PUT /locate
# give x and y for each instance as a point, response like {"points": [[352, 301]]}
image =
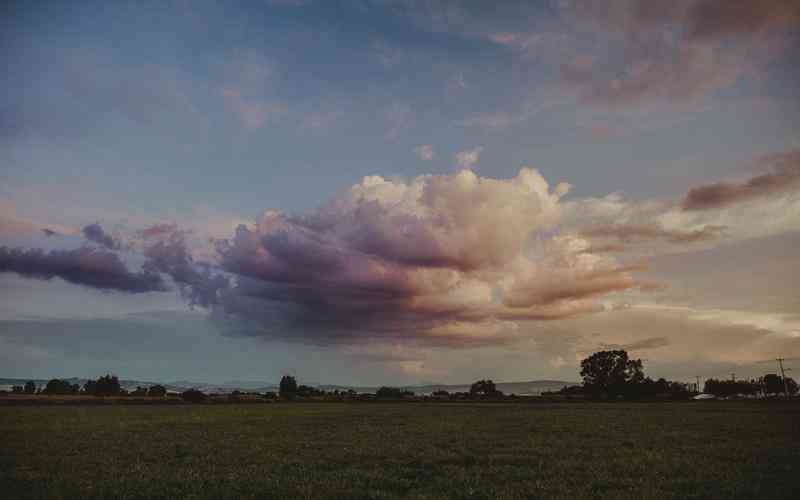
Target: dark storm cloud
{"points": [[199, 285], [785, 177], [95, 233], [440, 260], [84, 266]]}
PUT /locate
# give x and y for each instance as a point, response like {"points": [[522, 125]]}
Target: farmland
{"points": [[402, 450]]}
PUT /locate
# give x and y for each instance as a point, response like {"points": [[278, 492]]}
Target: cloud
{"points": [[785, 176], [425, 152], [95, 233], [13, 224], [638, 232], [690, 340], [719, 18], [468, 158], [156, 230], [399, 118], [169, 254], [531, 105], [446, 260], [709, 215], [649, 343], [84, 266], [253, 113], [676, 51]]}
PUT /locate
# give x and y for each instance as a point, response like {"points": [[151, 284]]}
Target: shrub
{"points": [[193, 396], [157, 391]]}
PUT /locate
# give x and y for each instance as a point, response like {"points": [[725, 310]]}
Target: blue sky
{"points": [[205, 114]]}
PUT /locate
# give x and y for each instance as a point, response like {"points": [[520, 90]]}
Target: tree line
{"points": [[613, 375], [606, 375], [768, 385], [107, 385]]}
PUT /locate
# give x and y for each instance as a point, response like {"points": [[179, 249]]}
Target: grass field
{"points": [[402, 450]]}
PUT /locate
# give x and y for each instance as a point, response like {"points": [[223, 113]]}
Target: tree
{"points": [[30, 387], [484, 388], [107, 385], [17, 389], [157, 391], [57, 386], [773, 384], [193, 396], [392, 393], [730, 388], [611, 373], [288, 387]]}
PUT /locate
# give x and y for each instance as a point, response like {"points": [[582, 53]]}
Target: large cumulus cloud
{"points": [[453, 260]]}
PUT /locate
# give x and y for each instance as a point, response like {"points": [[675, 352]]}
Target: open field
{"points": [[402, 450]]}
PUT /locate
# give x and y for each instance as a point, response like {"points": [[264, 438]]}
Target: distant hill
{"points": [[531, 387]]}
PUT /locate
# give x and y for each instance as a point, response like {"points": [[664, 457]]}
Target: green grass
{"points": [[402, 450]]}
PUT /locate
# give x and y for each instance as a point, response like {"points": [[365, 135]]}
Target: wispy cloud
{"points": [[469, 157], [785, 177], [424, 152]]}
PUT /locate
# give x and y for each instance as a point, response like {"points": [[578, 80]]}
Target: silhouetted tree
{"points": [[57, 386], [139, 392], [193, 396], [611, 373], [570, 390], [30, 387], [484, 388], [288, 387], [392, 393], [157, 391], [773, 384], [17, 389], [729, 388], [307, 391], [107, 385]]}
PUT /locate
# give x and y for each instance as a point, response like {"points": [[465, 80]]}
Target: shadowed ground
{"points": [[402, 450]]}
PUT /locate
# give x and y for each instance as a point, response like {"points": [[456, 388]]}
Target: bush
{"points": [[139, 392], [392, 393], [193, 396], [57, 386], [107, 385], [157, 391], [484, 388]]}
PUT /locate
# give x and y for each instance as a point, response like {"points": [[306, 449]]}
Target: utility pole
{"points": [[783, 377], [697, 377]]}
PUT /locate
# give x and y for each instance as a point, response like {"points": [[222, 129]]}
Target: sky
{"points": [[398, 192]]}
